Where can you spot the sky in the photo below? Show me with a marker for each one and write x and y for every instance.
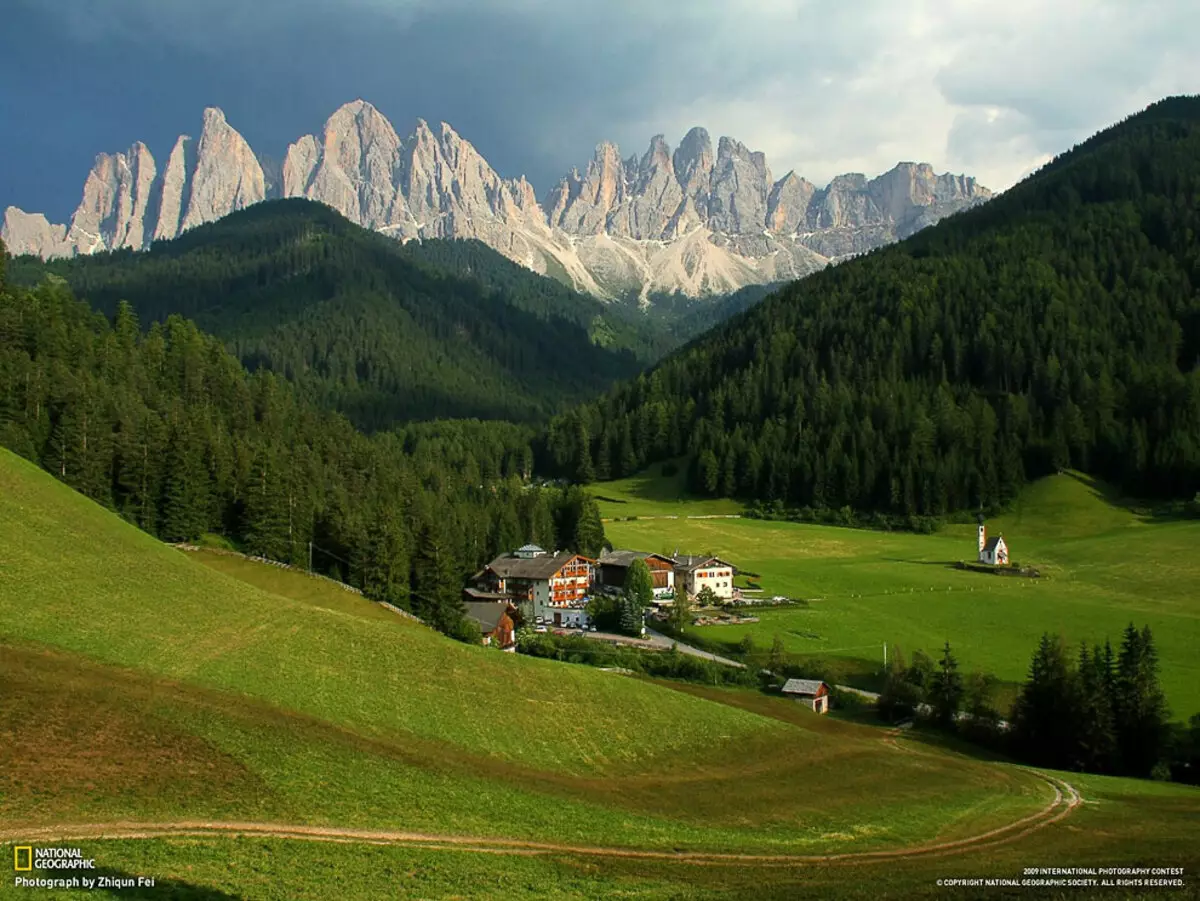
(989, 88)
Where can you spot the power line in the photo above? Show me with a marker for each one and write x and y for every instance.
(312, 545)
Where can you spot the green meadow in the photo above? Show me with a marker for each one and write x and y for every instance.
(149, 685)
(651, 494)
(1102, 566)
(290, 699)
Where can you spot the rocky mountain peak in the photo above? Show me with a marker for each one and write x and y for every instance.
(24, 232)
(741, 184)
(214, 117)
(176, 186)
(227, 175)
(350, 167)
(116, 195)
(697, 219)
(788, 204)
(693, 159)
(657, 156)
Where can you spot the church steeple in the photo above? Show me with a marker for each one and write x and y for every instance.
(982, 533)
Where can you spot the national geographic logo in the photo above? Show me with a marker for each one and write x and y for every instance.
(67, 869)
(26, 857)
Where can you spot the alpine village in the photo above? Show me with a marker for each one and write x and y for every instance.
(373, 525)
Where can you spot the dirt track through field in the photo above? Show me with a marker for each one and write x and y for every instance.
(1066, 799)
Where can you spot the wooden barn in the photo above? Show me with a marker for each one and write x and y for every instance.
(495, 621)
(812, 693)
(614, 566)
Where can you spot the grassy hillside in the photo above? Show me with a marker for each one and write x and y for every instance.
(145, 685)
(77, 578)
(307, 709)
(1102, 566)
(651, 493)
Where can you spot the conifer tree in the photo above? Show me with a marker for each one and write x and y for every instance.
(631, 616)
(637, 596)
(1141, 709)
(437, 585)
(588, 538)
(1096, 741)
(680, 608)
(185, 488)
(1045, 716)
(776, 657)
(265, 521)
(900, 697)
(385, 563)
(945, 691)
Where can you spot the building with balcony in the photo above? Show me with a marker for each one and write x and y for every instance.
(554, 587)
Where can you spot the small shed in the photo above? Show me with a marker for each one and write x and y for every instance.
(812, 693)
(495, 622)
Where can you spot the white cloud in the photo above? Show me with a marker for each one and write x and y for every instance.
(990, 88)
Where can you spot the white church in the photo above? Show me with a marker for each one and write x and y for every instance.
(992, 551)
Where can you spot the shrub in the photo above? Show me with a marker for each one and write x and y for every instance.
(840, 699)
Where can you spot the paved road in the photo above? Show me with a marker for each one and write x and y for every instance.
(665, 642)
(654, 640)
(869, 695)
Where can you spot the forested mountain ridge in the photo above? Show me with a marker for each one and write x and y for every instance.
(168, 429)
(372, 328)
(1058, 325)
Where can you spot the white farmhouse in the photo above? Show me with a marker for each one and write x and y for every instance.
(697, 572)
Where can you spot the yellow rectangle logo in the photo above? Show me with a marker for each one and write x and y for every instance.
(28, 849)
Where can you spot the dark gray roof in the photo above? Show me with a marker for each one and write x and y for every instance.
(625, 558)
(693, 561)
(992, 542)
(507, 567)
(802, 686)
(477, 594)
(486, 613)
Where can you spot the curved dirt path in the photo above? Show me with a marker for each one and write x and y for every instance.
(1066, 799)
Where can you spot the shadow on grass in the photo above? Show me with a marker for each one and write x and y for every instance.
(956, 744)
(1157, 511)
(162, 890)
(944, 564)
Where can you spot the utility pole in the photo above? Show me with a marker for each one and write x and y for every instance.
(885, 656)
(310, 556)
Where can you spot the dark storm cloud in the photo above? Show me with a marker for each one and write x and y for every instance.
(984, 87)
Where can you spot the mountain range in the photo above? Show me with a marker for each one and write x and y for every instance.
(692, 220)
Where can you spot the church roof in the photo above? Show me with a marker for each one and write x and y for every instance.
(993, 543)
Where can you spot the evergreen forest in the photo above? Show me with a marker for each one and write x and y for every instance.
(360, 323)
(165, 426)
(1056, 326)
